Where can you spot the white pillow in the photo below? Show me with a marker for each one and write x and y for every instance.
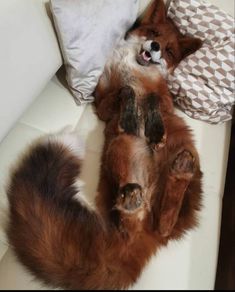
(88, 30)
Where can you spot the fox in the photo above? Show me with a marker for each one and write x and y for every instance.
(149, 190)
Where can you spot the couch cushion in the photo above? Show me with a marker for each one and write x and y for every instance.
(29, 56)
(10, 148)
(52, 110)
(13, 276)
(3, 249)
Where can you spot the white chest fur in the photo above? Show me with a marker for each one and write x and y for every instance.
(123, 64)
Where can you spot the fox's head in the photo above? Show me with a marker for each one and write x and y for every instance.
(160, 42)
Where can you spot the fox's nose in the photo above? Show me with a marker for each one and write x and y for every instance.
(155, 46)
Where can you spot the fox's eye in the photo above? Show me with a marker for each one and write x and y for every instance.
(170, 53)
(153, 33)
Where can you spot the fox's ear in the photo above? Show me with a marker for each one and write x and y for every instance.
(189, 45)
(155, 13)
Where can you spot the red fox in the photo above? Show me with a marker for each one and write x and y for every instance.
(150, 180)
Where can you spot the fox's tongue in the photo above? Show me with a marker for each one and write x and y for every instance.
(146, 56)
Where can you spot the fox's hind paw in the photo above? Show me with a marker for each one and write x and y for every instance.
(183, 165)
(129, 198)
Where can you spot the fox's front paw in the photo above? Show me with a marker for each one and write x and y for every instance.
(129, 198)
(126, 91)
(129, 122)
(154, 127)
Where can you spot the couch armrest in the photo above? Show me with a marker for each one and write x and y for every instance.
(29, 56)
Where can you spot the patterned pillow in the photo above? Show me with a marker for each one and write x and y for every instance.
(203, 83)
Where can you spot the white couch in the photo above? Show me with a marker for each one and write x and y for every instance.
(34, 101)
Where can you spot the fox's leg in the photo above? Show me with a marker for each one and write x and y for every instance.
(129, 168)
(129, 122)
(154, 126)
(180, 175)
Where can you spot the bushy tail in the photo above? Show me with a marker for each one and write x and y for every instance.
(52, 233)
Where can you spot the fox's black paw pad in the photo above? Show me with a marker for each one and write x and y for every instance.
(129, 198)
(184, 164)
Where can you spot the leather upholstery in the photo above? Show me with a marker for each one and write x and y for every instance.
(32, 104)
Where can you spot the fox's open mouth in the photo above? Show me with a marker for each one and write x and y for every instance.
(144, 58)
